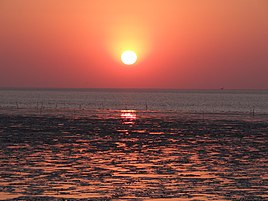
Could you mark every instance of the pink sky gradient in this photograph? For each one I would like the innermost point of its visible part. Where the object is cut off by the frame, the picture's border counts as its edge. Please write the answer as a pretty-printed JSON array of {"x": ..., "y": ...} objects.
[{"x": 181, "y": 44}]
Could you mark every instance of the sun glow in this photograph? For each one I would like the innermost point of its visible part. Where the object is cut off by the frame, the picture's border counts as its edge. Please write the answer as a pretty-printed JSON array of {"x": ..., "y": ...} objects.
[{"x": 129, "y": 57}]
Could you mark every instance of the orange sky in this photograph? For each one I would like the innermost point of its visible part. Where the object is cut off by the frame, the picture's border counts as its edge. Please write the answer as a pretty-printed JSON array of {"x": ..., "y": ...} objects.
[{"x": 181, "y": 44}]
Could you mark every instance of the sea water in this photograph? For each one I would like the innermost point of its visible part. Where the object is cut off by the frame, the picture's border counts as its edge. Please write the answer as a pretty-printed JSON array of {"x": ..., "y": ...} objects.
[
  {"x": 242, "y": 101},
  {"x": 135, "y": 155}
]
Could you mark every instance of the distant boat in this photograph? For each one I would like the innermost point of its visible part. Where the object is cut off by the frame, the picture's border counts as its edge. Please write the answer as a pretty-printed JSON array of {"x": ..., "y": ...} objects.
[{"x": 222, "y": 88}]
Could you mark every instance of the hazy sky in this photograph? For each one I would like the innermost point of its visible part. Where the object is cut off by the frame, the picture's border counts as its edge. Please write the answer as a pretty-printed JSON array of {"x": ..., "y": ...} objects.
[{"x": 180, "y": 43}]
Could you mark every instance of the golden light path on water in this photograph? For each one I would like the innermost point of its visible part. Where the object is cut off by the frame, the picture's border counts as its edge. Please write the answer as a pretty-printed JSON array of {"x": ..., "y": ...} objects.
[{"x": 128, "y": 116}]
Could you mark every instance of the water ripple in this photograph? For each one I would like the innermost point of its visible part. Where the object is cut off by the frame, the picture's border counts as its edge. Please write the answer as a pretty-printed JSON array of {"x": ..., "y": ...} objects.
[{"x": 150, "y": 158}]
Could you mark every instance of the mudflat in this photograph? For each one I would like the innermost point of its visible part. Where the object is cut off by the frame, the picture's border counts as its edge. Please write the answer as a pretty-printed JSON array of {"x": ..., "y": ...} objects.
[{"x": 131, "y": 155}]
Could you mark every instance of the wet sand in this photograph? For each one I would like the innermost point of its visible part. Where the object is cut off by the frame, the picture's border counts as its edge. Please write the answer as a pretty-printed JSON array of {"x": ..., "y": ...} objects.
[{"x": 132, "y": 156}]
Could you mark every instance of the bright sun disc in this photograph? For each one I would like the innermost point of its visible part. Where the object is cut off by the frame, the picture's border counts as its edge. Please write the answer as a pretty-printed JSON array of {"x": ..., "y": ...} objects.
[{"x": 129, "y": 57}]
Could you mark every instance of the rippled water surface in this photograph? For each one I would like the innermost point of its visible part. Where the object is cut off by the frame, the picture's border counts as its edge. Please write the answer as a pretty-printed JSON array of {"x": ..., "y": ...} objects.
[{"x": 130, "y": 155}]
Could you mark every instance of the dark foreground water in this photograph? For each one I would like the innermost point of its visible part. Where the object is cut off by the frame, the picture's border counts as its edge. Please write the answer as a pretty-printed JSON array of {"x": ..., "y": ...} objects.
[{"x": 132, "y": 156}]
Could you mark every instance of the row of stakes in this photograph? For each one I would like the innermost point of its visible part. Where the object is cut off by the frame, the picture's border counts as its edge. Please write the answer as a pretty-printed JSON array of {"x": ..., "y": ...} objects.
[{"x": 42, "y": 107}]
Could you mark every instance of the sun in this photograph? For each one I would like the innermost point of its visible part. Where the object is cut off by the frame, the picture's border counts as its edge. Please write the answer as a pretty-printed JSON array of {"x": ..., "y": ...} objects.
[{"x": 129, "y": 57}]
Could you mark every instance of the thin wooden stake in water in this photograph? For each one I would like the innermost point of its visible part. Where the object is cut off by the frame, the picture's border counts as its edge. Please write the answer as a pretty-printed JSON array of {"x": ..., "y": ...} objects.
[{"x": 17, "y": 105}]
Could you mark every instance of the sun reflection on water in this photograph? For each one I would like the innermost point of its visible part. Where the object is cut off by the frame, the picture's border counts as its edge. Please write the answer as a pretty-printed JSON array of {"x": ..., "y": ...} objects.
[{"x": 128, "y": 116}]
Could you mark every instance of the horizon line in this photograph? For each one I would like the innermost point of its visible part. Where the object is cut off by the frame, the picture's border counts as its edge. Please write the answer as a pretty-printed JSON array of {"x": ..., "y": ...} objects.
[{"x": 117, "y": 88}]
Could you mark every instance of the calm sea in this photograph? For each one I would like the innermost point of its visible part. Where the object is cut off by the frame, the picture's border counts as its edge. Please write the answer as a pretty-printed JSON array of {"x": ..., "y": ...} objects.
[{"x": 242, "y": 101}]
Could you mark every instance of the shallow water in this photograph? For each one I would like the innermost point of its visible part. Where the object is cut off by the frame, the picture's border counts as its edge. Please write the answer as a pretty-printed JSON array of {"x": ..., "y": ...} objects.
[
  {"x": 243, "y": 101},
  {"x": 127, "y": 156}
]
